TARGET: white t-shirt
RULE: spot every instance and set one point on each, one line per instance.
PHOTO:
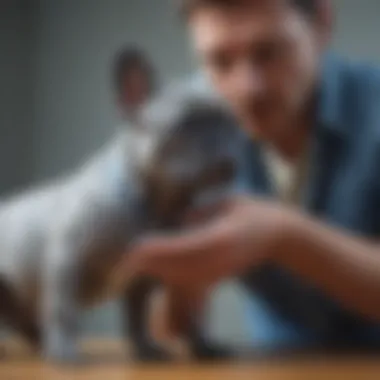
(287, 177)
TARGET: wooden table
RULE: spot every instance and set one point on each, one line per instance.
(109, 364)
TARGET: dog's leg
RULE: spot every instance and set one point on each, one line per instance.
(203, 348)
(16, 316)
(186, 311)
(136, 312)
(61, 309)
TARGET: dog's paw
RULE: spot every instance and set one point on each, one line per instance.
(62, 352)
(3, 352)
(152, 353)
(63, 358)
(211, 352)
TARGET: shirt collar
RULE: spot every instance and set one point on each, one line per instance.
(330, 112)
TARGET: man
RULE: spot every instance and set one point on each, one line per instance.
(134, 80)
(305, 243)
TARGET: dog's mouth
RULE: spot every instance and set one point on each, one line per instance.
(172, 196)
(213, 184)
(217, 175)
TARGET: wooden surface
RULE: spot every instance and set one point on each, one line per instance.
(108, 363)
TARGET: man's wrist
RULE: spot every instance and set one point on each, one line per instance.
(291, 233)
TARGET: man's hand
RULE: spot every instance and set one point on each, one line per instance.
(237, 235)
(243, 232)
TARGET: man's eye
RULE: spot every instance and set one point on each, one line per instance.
(267, 53)
(221, 63)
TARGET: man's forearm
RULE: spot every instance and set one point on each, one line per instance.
(345, 267)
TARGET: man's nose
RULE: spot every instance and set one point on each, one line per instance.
(248, 82)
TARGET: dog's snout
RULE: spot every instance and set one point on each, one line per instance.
(227, 168)
(222, 172)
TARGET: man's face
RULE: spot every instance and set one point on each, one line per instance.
(263, 57)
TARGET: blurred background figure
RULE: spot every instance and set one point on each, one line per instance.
(135, 81)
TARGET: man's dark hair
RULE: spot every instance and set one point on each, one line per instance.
(131, 58)
(309, 7)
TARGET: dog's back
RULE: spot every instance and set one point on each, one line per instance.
(29, 219)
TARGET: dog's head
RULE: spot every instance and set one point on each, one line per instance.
(196, 149)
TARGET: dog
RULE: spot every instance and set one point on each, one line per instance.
(62, 242)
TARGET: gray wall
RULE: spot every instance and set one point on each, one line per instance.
(15, 108)
(357, 28)
(73, 113)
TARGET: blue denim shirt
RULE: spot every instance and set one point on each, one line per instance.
(343, 190)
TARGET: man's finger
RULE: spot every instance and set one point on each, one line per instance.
(184, 243)
(205, 213)
(182, 251)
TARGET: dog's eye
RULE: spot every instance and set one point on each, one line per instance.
(173, 146)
